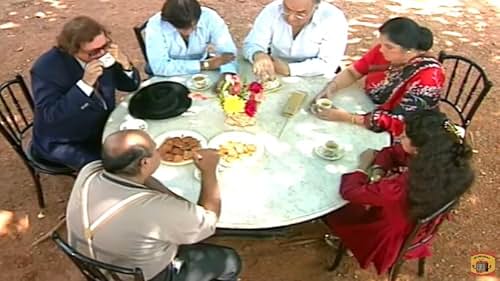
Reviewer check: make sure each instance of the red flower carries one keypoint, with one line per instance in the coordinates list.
(251, 107)
(255, 87)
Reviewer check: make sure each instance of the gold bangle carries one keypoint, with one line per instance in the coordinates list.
(353, 119)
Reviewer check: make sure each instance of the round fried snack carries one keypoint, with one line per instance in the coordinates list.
(234, 150)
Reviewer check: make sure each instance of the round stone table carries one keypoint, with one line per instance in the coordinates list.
(290, 184)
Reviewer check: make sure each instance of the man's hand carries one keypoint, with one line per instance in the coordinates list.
(281, 67)
(93, 70)
(263, 66)
(216, 61)
(206, 160)
(120, 57)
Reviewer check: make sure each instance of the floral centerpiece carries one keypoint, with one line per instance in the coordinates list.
(239, 101)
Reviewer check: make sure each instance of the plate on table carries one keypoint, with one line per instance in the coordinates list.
(190, 84)
(319, 150)
(272, 85)
(134, 124)
(237, 147)
(176, 147)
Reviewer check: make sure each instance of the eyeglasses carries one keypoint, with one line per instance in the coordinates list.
(99, 50)
(299, 16)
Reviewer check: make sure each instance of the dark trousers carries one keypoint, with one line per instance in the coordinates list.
(203, 262)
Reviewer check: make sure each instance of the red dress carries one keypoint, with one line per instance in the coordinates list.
(376, 234)
(399, 91)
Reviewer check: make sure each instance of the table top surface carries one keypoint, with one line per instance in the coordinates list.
(290, 184)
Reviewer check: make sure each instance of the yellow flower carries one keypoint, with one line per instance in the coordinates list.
(233, 104)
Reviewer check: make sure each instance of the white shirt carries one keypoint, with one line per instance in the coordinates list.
(168, 54)
(317, 49)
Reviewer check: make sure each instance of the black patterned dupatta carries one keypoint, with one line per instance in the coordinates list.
(386, 94)
(390, 94)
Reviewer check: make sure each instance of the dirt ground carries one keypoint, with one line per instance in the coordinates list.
(28, 28)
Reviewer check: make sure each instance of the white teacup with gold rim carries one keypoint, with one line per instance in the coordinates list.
(323, 104)
(199, 81)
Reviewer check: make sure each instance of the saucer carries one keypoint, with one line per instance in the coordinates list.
(134, 124)
(191, 86)
(319, 151)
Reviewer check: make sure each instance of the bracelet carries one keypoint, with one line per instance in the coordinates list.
(353, 119)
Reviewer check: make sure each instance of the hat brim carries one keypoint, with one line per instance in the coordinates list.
(160, 100)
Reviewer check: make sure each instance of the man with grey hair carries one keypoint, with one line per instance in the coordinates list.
(119, 214)
(296, 38)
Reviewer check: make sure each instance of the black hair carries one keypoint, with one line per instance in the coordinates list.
(127, 163)
(181, 13)
(407, 34)
(441, 170)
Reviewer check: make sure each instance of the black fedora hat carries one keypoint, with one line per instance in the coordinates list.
(160, 100)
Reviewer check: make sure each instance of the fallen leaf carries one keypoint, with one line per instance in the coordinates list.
(20, 49)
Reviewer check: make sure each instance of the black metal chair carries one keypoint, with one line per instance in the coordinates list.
(427, 226)
(95, 270)
(467, 86)
(16, 121)
(139, 34)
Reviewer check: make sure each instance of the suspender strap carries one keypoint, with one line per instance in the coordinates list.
(89, 227)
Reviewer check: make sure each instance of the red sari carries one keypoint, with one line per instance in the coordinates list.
(376, 234)
(399, 91)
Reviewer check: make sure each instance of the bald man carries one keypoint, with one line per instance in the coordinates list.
(296, 38)
(150, 227)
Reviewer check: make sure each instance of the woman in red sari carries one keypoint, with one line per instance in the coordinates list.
(429, 168)
(400, 78)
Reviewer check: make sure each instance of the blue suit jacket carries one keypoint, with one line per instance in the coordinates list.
(68, 124)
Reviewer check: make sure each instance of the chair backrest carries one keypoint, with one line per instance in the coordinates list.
(139, 31)
(466, 88)
(16, 111)
(425, 229)
(94, 270)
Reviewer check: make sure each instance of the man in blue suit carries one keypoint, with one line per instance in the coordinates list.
(74, 87)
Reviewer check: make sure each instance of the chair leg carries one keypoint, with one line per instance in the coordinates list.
(39, 192)
(341, 251)
(421, 267)
(394, 271)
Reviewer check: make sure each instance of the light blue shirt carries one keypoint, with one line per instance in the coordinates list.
(317, 49)
(168, 54)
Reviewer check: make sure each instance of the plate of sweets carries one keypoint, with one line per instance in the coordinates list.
(237, 147)
(177, 147)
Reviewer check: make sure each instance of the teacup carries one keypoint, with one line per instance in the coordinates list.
(200, 80)
(323, 104)
(330, 148)
(107, 60)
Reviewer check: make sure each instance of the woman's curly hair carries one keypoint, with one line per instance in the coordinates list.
(441, 169)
